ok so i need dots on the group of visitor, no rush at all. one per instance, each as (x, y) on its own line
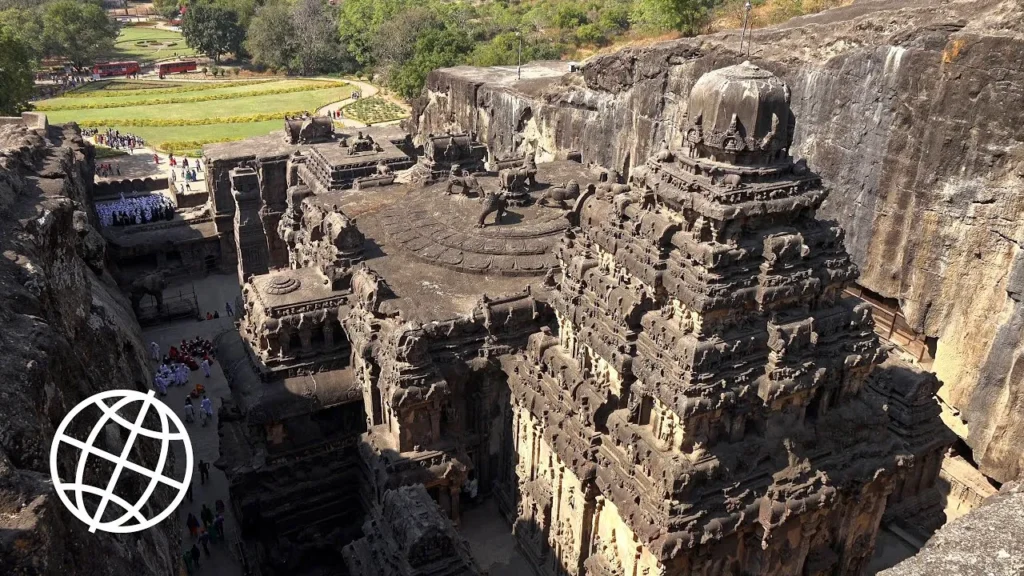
(107, 170)
(207, 528)
(170, 374)
(115, 139)
(136, 210)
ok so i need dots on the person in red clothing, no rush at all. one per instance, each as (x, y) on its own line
(193, 524)
(156, 159)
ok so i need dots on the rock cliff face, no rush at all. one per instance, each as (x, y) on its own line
(986, 542)
(66, 332)
(912, 113)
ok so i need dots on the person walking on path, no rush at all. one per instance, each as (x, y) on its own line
(156, 159)
(207, 515)
(218, 526)
(188, 492)
(204, 474)
(190, 410)
(207, 406)
(193, 524)
(195, 555)
(228, 310)
(204, 540)
(154, 351)
(205, 365)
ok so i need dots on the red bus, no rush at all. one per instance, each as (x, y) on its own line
(115, 68)
(176, 67)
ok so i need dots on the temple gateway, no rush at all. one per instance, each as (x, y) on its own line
(658, 373)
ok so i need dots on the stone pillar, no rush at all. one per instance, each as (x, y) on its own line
(455, 515)
(250, 239)
(274, 195)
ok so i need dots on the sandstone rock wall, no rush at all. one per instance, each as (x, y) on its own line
(66, 332)
(911, 111)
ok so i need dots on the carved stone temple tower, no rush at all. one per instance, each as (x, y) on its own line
(702, 408)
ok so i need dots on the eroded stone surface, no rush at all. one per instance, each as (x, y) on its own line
(67, 333)
(985, 542)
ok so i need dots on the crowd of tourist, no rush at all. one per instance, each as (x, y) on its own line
(206, 528)
(136, 210)
(115, 139)
(107, 169)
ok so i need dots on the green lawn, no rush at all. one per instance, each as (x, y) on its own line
(240, 101)
(127, 47)
(241, 106)
(224, 132)
(141, 97)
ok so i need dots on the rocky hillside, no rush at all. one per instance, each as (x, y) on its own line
(66, 332)
(910, 109)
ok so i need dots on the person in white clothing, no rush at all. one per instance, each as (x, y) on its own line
(154, 351)
(206, 406)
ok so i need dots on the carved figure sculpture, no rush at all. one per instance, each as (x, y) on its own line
(467, 181)
(524, 176)
(383, 169)
(493, 202)
(151, 284)
(362, 144)
(559, 195)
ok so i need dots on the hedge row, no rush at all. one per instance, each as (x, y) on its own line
(309, 86)
(110, 92)
(191, 147)
(374, 110)
(166, 122)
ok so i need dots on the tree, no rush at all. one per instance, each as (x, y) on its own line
(360, 20)
(78, 31)
(395, 41)
(16, 81)
(435, 48)
(212, 30)
(316, 28)
(690, 17)
(27, 26)
(271, 37)
(503, 50)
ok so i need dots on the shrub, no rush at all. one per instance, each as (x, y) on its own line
(170, 122)
(374, 110)
(138, 88)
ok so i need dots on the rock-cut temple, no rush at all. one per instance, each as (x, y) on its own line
(652, 373)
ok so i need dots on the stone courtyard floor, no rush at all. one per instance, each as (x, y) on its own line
(212, 292)
(491, 542)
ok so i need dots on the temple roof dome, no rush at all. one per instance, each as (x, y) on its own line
(741, 108)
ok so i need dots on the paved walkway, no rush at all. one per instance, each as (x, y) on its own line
(139, 164)
(212, 292)
(491, 541)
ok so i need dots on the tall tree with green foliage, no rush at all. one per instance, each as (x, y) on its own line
(212, 30)
(435, 48)
(27, 26)
(270, 40)
(316, 28)
(503, 50)
(78, 31)
(359, 21)
(395, 41)
(16, 80)
(691, 17)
